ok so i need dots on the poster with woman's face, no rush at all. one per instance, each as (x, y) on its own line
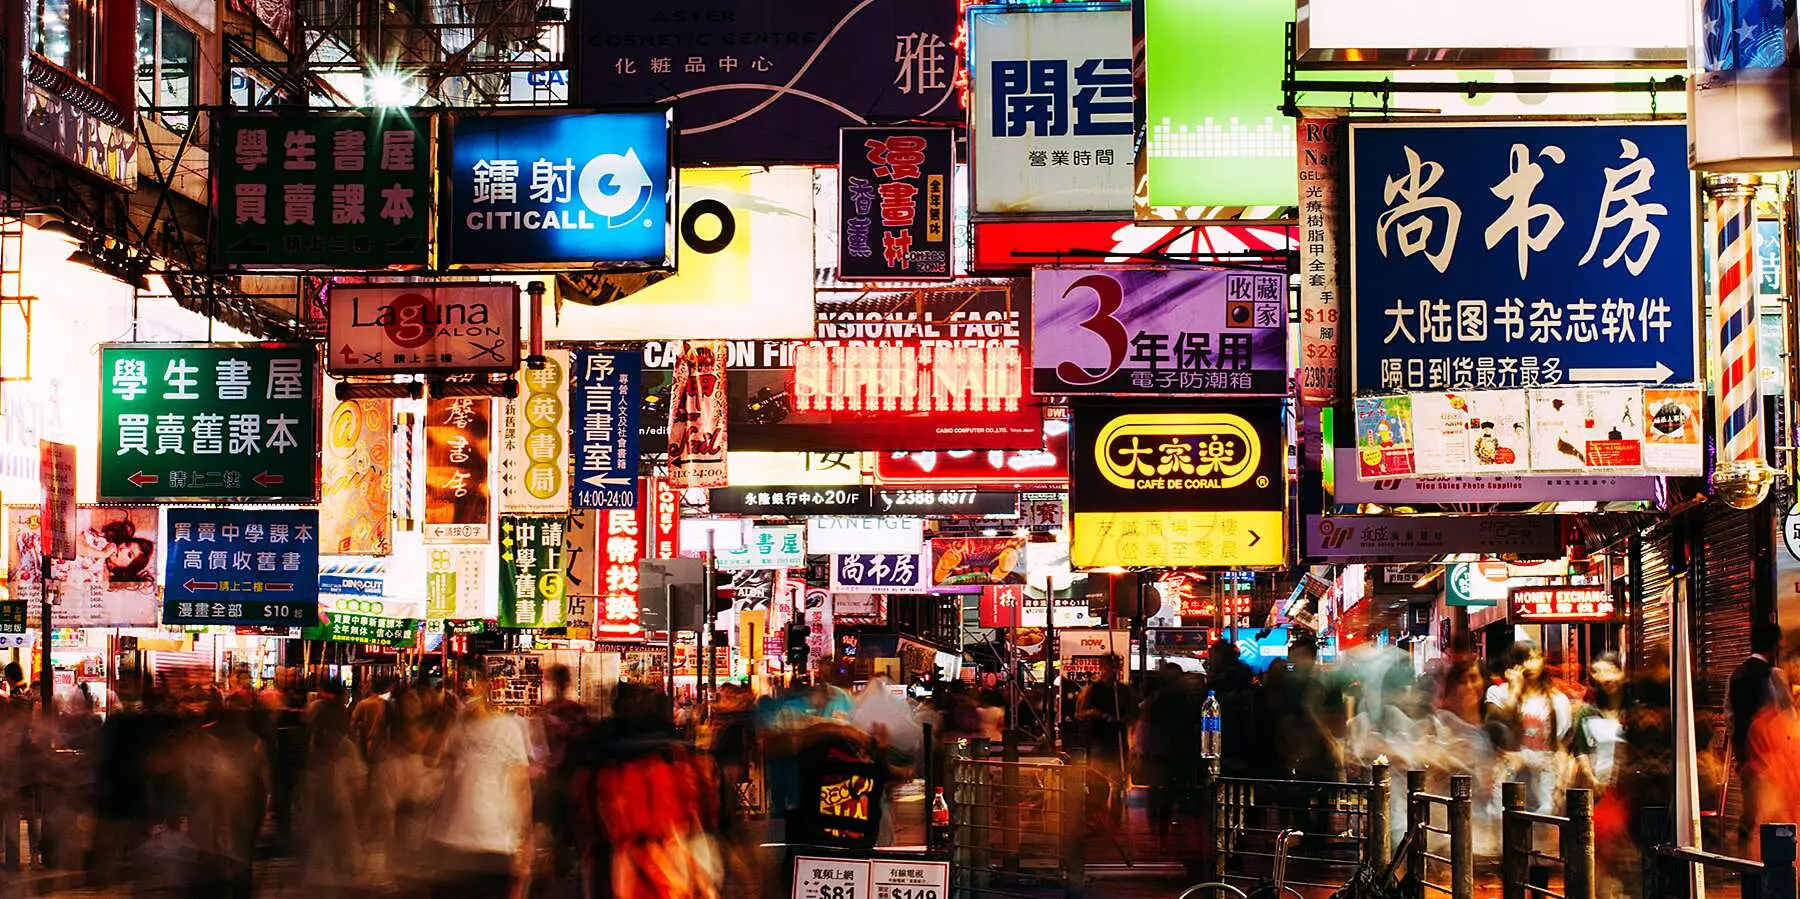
(113, 580)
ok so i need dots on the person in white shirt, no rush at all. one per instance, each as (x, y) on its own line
(481, 835)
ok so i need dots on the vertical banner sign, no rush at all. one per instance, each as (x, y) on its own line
(1506, 255)
(663, 524)
(1321, 300)
(1158, 332)
(581, 571)
(894, 202)
(56, 475)
(534, 454)
(183, 422)
(323, 190)
(606, 393)
(453, 582)
(456, 469)
(697, 438)
(532, 585)
(357, 478)
(1050, 110)
(242, 566)
(112, 582)
(24, 552)
(621, 547)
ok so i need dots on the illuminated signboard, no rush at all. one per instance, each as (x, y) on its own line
(1017, 246)
(1048, 466)
(665, 518)
(621, 546)
(1561, 604)
(906, 378)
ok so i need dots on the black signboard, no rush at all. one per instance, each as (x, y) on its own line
(894, 202)
(799, 501)
(12, 617)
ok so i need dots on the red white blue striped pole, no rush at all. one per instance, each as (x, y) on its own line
(1741, 474)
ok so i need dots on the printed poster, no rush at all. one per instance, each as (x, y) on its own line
(1384, 437)
(453, 582)
(24, 554)
(1499, 432)
(1587, 428)
(112, 582)
(1440, 433)
(357, 478)
(697, 441)
(1673, 423)
(977, 561)
(456, 469)
(534, 447)
(532, 582)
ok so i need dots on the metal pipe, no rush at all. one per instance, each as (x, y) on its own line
(1380, 841)
(1578, 845)
(1462, 836)
(1418, 814)
(1515, 841)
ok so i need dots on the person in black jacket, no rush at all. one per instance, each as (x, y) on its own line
(1756, 685)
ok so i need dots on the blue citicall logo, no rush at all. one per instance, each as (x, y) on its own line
(617, 188)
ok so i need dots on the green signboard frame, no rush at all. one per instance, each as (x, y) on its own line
(376, 630)
(533, 580)
(209, 422)
(318, 190)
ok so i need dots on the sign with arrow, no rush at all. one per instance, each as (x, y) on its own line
(404, 328)
(1505, 255)
(533, 582)
(182, 422)
(605, 394)
(1191, 485)
(242, 567)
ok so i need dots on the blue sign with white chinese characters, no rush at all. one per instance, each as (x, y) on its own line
(1521, 254)
(574, 189)
(604, 390)
(242, 566)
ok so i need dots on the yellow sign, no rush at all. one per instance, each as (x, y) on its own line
(1198, 451)
(1177, 539)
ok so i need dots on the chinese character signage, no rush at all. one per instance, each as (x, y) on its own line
(456, 469)
(24, 553)
(1528, 488)
(1521, 255)
(532, 580)
(322, 190)
(766, 547)
(792, 501)
(697, 422)
(1560, 604)
(188, 422)
(1011, 246)
(1212, 103)
(1166, 332)
(576, 189)
(352, 609)
(1202, 485)
(1050, 109)
(806, 68)
(112, 582)
(1046, 467)
(1321, 293)
(607, 397)
(357, 478)
(1398, 538)
(242, 566)
(56, 476)
(12, 617)
(894, 203)
(453, 582)
(880, 572)
(977, 561)
(534, 453)
(402, 328)
(621, 548)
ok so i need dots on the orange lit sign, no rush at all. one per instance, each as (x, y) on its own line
(1557, 605)
(916, 377)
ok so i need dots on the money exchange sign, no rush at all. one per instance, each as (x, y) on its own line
(242, 566)
(1521, 255)
(209, 422)
(532, 580)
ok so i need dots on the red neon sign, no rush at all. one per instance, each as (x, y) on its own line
(1558, 605)
(664, 515)
(907, 378)
(983, 468)
(621, 546)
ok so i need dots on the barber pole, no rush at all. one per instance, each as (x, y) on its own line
(1741, 475)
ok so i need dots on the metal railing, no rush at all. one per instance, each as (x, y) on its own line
(1458, 828)
(1344, 823)
(1016, 826)
(1771, 878)
(1518, 853)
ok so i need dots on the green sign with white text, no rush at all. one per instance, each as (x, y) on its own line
(199, 422)
(1214, 131)
(348, 627)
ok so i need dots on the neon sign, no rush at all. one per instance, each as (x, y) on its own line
(907, 378)
(621, 546)
(1564, 604)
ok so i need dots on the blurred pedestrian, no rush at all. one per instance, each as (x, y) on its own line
(481, 834)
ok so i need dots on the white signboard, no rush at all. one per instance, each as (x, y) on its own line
(844, 878)
(909, 879)
(864, 534)
(1050, 106)
(830, 878)
(778, 548)
(1457, 33)
(400, 328)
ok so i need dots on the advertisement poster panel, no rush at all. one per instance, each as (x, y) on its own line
(977, 561)
(112, 582)
(697, 417)
(356, 481)
(457, 448)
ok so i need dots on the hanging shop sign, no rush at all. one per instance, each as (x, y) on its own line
(583, 546)
(404, 328)
(1573, 604)
(242, 567)
(457, 438)
(56, 477)
(1203, 486)
(753, 469)
(12, 617)
(352, 609)
(1321, 158)
(662, 523)
(186, 422)
(73, 132)
(1211, 94)
(1615, 429)
(994, 468)
(1163, 332)
(454, 577)
(1530, 488)
(894, 202)
(1045, 513)
(607, 395)
(356, 480)
(619, 616)
(24, 553)
(977, 561)
(323, 190)
(779, 548)
(791, 501)
(532, 582)
(1000, 604)
(1377, 538)
(112, 580)
(834, 534)
(1467, 586)
(571, 189)
(697, 416)
(1050, 100)
(1422, 34)
(534, 454)
(1512, 255)
(1017, 246)
(807, 69)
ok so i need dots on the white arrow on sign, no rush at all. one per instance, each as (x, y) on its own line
(602, 481)
(1655, 375)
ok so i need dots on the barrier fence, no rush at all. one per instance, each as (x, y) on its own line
(1017, 827)
(1343, 824)
(1458, 828)
(1521, 862)
(1771, 878)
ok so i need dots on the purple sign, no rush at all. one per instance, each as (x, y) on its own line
(894, 203)
(770, 81)
(1488, 488)
(1158, 332)
(1398, 538)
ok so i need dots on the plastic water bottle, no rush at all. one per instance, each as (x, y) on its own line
(1211, 734)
